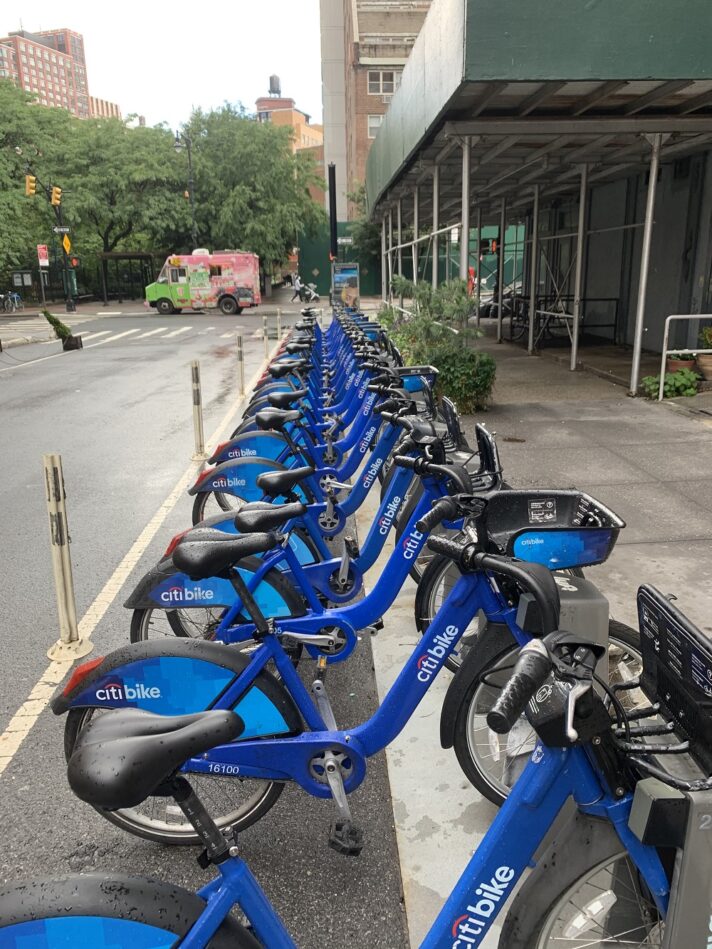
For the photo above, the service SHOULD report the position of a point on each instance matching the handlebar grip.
(530, 672)
(442, 510)
(403, 461)
(448, 548)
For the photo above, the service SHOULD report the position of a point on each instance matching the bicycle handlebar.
(443, 510)
(455, 473)
(530, 672)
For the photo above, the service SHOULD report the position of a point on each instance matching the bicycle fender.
(236, 477)
(165, 587)
(180, 677)
(493, 638)
(251, 445)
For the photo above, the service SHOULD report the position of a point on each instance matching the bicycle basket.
(677, 670)
(557, 528)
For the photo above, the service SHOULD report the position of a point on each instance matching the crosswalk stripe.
(94, 335)
(112, 339)
(183, 329)
(152, 332)
(226, 335)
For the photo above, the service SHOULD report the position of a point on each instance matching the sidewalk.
(652, 464)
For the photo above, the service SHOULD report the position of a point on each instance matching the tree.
(365, 232)
(252, 192)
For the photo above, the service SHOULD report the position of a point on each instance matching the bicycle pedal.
(346, 838)
(379, 624)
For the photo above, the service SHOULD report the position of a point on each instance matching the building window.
(374, 123)
(383, 82)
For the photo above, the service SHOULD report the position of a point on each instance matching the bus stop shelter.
(563, 114)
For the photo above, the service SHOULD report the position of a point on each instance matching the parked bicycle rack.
(666, 349)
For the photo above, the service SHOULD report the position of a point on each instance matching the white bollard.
(265, 336)
(241, 363)
(199, 453)
(279, 323)
(69, 646)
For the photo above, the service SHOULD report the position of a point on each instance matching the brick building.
(283, 111)
(365, 44)
(51, 65)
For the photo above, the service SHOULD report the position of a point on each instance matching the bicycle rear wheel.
(106, 912)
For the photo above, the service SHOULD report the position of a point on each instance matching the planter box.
(72, 342)
(672, 365)
(704, 364)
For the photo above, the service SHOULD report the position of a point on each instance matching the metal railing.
(675, 349)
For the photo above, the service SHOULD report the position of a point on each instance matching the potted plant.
(704, 360)
(676, 361)
(63, 332)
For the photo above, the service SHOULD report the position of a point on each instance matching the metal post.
(436, 224)
(264, 336)
(384, 269)
(533, 270)
(465, 211)
(478, 288)
(69, 646)
(578, 281)
(279, 323)
(241, 362)
(414, 248)
(500, 267)
(645, 262)
(199, 454)
(399, 227)
(390, 254)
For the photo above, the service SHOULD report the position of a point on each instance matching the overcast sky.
(160, 59)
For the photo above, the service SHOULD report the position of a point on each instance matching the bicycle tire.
(466, 750)
(75, 909)
(585, 848)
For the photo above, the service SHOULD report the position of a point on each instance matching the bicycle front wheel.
(106, 912)
(585, 893)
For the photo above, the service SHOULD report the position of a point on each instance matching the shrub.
(61, 330)
(682, 382)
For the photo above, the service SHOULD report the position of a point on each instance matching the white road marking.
(183, 329)
(25, 717)
(112, 339)
(94, 335)
(152, 332)
(113, 313)
(226, 335)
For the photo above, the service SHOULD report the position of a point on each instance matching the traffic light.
(30, 185)
(56, 198)
(495, 244)
(74, 261)
(186, 195)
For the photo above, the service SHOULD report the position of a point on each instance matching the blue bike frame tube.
(384, 447)
(387, 512)
(237, 886)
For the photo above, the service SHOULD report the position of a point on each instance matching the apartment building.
(364, 44)
(283, 111)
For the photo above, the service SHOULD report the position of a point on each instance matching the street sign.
(61, 229)
(66, 244)
(43, 255)
(344, 240)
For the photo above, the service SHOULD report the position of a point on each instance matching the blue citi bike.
(284, 738)
(601, 843)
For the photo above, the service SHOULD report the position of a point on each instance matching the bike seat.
(284, 367)
(425, 431)
(267, 516)
(282, 400)
(276, 419)
(274, 483)
(293, 348)
(124, 756)
(211, 552)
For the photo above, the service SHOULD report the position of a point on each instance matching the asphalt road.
(120, 414)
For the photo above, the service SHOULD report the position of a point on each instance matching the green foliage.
(61, 330)
(682, 382)
(365, 232)
(682, 357)
(427, 334)
(706, 337)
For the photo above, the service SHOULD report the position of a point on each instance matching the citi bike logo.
(467, 929)
(384, 525)
(179, 594)
(372, 472)
(122, 691)
(241, 452)
(225, 482)
(411, 545)
(429, 662)
(368, 403)
(366, 440)
(362, 390)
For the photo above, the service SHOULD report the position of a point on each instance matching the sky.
(161, 59)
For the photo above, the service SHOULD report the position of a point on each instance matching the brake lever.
(580, 689)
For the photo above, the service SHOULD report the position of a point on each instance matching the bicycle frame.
(551, 777)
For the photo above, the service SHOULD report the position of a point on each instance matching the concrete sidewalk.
(650, 463)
